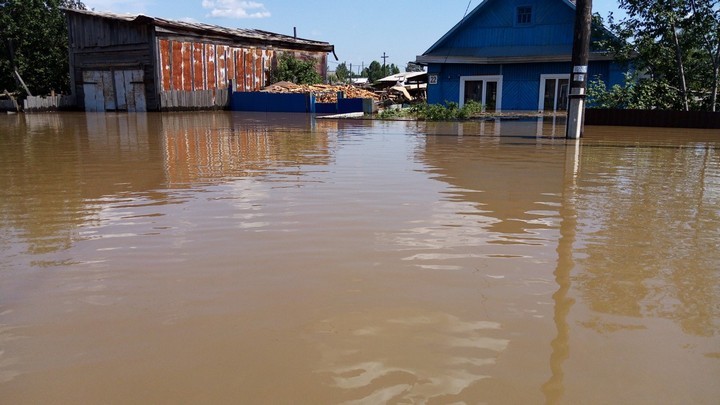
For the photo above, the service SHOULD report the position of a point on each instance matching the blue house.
(512, 55)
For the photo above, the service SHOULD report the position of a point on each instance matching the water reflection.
(649, 219)
(354, 261)
(64, 170)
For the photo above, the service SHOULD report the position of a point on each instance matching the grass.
(434, 112)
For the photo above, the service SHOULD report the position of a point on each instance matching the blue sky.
(360, 30)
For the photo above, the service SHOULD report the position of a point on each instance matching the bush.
(291, 69)
(449, 112)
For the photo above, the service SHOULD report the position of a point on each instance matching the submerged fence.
(48, 103)
(653, 118)
(194, 100)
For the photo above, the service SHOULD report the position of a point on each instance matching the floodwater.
(230, 258)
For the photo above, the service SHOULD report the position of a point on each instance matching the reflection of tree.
(649, 224)
(53, 165)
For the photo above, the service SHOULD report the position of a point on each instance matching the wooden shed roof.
(253, 36)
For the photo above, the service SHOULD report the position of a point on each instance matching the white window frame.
(541, 95)
(485, 79)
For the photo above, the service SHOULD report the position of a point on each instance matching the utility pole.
(383, 58)
(578, 76)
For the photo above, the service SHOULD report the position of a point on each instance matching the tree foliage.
(291, 69)
(676, 43)
(342, 72)
(637, 93)
(34, 40)
(375, 71)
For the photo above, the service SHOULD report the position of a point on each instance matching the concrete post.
(578, 76)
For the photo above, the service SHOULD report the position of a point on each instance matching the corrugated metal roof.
(207, 29)
(402, 76)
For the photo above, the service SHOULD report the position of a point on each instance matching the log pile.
(324, 93)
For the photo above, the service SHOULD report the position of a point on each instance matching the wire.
(467, 8)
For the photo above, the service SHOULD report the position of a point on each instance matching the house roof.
(499, 54)
(407, 76)
(238, 34)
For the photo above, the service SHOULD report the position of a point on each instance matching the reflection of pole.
(578, 76)
(554, 387)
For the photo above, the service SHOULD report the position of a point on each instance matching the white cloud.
(235, 9)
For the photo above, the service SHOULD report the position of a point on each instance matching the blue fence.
(295, 103)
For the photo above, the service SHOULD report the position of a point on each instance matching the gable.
(493, 30)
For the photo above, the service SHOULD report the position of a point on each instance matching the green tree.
(34, 40)
(676, 43)
(637, 93)
(706, 26)
(373, 72)
(391, 70)
(342, 72)
(291, 69)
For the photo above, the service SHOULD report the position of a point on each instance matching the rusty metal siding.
(176, 66)
(198, 67)
(249, 71)
(165, 64)
(221, 52)
(210, 64)
(230, 55)
(240, 70)
(187, 70)
(258, 72)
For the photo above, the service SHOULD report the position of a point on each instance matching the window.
(524, 15)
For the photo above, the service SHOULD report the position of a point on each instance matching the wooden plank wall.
(194, 100)
(105, 44)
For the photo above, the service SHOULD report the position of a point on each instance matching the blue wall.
(521, 81)
(491, 30)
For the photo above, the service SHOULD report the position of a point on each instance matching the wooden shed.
(141, 63)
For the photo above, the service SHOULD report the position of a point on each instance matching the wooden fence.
(194, 100)
(48, 103)
(653, 118)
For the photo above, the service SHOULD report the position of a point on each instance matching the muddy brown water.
(234, 258)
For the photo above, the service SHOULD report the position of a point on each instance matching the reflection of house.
(138, 63)
(497, 178)
(212, 146)
(511, 55)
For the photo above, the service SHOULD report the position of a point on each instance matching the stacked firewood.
(324, 93)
